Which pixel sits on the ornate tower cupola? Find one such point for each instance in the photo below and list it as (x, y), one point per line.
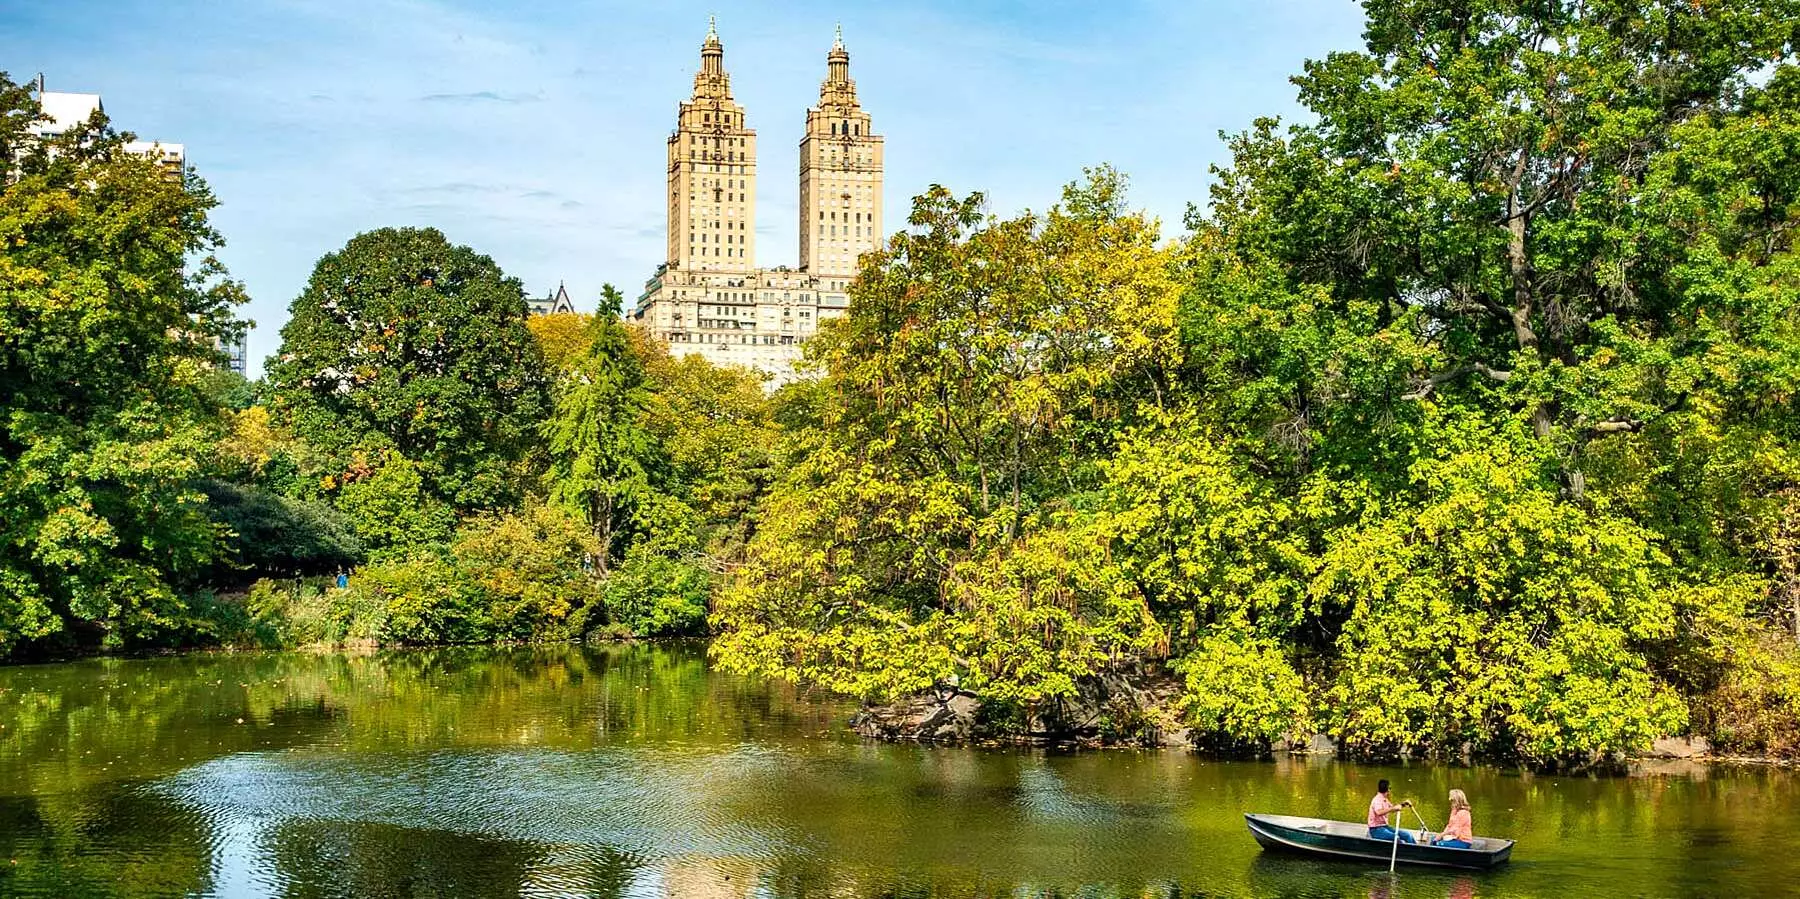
(711, 80)
(840, 175)
(712, 173)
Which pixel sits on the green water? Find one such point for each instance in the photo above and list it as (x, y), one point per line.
(635, 771)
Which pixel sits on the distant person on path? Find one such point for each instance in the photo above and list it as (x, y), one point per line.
(343, 582)
(1461, 828)
(1380, 808)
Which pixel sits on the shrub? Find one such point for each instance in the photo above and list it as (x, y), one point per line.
(656, 596)
(423, 599)
(308, 611)
(528, 571)
(277, 535)
(1755, 710)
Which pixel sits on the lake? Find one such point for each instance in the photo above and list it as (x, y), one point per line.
(638, 771)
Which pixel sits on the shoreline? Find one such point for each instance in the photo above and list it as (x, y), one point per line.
(875, 723)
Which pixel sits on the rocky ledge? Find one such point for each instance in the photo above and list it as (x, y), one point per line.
(1113, 709)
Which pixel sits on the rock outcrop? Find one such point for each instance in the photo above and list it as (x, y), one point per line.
(1108, 709)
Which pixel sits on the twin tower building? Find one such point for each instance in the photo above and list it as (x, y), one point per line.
(709, 298)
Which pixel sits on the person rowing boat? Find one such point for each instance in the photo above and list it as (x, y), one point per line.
(1381, 811)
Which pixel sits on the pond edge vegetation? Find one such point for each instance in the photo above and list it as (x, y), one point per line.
(1461, 423)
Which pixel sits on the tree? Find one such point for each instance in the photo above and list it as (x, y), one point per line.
(393, 512)
(113, 309)
(275, 535)
(1480, 175)
(561, 337)
(601, 457)
(714, 425)
(1499, 337)
(405, 342)
(925, 533)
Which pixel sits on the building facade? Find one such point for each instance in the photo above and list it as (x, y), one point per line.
(556, 303)
(65, 109)
(709, 297)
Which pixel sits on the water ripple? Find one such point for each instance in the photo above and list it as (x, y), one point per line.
(643, 804)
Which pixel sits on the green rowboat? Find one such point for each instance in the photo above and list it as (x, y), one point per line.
(1347, 841)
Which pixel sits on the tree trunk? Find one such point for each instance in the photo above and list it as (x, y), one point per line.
(1519, 265)
(1787, 559)
(600, 510)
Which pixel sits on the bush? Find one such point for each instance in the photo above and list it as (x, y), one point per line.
(1755, 710)
(656, 596)
(308, 611)
(424, 599)
(528, 571)
(1243, 688)
(277, 535)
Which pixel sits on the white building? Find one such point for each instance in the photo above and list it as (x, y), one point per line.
(65, 110)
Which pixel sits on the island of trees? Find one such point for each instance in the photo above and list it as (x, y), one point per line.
(1463, 419)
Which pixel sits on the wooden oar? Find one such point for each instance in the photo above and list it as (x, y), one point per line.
(1394, 856)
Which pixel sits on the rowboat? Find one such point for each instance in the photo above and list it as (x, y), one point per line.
(1347, 841)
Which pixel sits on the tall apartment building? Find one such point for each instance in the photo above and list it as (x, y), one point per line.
(708, 297)
(65, 109)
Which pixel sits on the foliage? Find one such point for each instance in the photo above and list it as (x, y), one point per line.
(422, 599)
(916, 538)
(393, 512)
(528, 570)
(1464, 419)
(1752, 711)
(562, 338)
(602, 459)
(512, 577)
(653, 595)
(714, 427)
(112, 306)
(273, 534)
(1244, 687)
(404, 342)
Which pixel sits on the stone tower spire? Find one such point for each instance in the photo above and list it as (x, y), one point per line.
(840, 175)
(712, 173)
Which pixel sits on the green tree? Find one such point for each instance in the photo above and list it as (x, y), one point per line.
(112, 310)
(601, 457)
(924, 534)
(403, 341)
(393, 511)
(273, 534)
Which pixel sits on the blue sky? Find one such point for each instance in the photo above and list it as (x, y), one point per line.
(534, 131)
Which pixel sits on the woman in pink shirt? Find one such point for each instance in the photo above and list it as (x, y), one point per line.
(1461, 828)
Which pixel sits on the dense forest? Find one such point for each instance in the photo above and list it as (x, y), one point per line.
(1461, 420)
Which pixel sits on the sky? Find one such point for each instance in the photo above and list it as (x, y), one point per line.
(534, 131)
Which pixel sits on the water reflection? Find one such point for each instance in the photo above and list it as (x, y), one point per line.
(635, 771)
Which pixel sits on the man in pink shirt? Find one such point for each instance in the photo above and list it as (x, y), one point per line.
(1380, 810)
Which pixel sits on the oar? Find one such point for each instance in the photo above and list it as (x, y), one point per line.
(1424, 829)
(1394, 856)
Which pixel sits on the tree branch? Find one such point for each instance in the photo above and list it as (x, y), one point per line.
(1424, 388)
(1616, 426)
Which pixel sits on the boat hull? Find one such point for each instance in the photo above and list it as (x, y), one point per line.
(1345, 841)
